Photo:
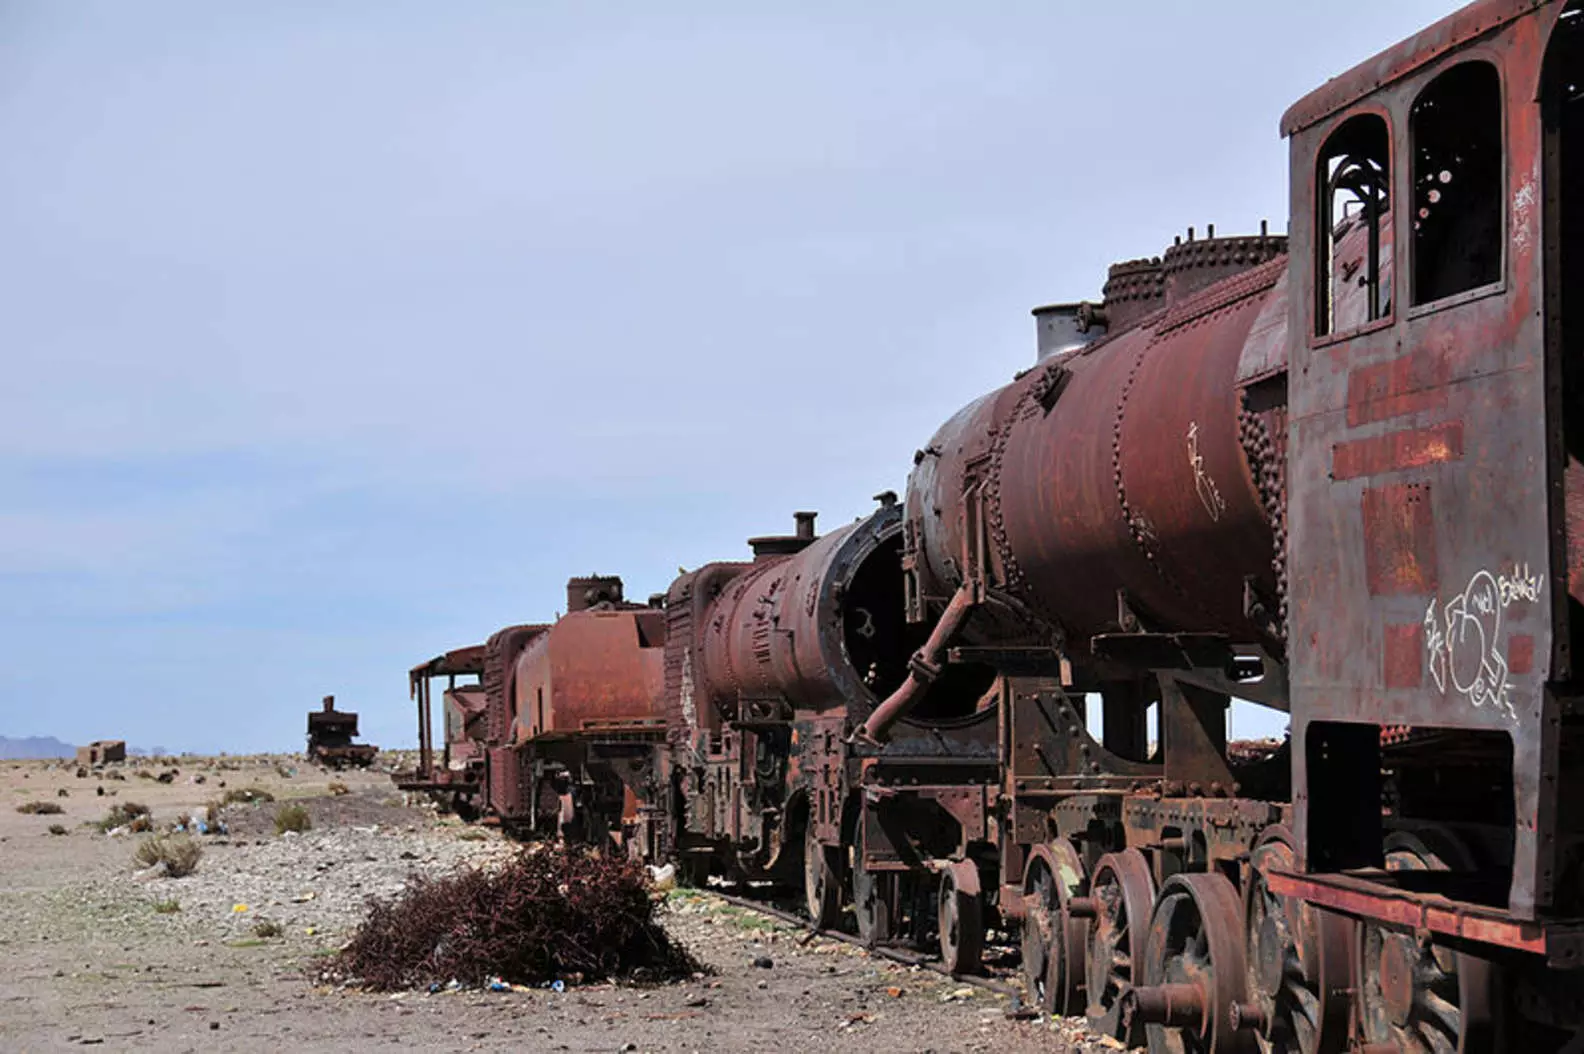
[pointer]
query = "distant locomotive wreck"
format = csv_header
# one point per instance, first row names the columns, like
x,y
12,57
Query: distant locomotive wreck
x,y
330,736
1334,472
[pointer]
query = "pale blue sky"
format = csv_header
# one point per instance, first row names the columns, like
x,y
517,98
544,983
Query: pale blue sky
x,y
338,334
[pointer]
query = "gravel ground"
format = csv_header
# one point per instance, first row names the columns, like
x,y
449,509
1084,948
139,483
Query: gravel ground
x,y
101,955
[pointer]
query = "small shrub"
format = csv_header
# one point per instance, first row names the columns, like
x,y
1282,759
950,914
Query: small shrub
x,y
63,793
126,814
292,818
178,853
144,774
167,907
56,828
246,796
267,928
212,815
338,788
471,834
546,913
40,808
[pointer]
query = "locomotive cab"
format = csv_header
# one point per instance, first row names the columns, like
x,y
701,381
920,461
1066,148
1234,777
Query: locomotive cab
x,y
1436,502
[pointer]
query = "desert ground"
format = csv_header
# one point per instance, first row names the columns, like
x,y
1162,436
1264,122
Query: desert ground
x,y
100,952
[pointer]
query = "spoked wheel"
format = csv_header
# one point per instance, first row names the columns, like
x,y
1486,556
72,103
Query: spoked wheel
x,y
1299,961
1122,891
874,895
1053,940
821,882
1417,997
1194,969
960,918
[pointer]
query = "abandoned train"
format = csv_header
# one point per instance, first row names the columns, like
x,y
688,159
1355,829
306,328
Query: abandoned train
x,y
1336,472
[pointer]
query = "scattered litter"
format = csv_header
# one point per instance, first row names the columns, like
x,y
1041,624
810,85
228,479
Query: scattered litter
x,y
663,878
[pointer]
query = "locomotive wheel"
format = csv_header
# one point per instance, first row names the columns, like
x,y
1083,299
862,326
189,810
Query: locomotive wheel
x,y
960,918
821,882
1418,997
874,896
1195,953
1299,961
1122,891
1053,941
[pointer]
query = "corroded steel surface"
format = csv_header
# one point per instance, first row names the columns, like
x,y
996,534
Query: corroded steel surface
x,y
595,670
1423,533
1121,467
1404,58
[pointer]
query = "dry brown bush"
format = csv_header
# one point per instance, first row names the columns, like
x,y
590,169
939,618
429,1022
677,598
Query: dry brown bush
x,y
178,853
126,814
292,817
548,913
40,808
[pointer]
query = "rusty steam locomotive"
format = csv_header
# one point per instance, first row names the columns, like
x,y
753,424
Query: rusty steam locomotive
x,y
1335,472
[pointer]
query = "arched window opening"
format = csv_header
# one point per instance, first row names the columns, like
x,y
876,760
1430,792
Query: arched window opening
x,y
1353,226
1456,133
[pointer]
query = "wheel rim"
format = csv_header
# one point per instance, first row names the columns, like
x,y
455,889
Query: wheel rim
x,y
1123,891
1298,966
1039,899
1196,939
873,901
1422,998
1053,941
819,883
961,923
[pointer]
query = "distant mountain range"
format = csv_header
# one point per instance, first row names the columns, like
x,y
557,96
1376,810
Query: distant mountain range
x,y
35,747
50,747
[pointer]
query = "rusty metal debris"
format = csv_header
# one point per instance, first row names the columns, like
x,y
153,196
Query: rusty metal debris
x,y
330,736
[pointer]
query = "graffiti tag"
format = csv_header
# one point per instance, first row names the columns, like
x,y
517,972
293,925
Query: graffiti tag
x,y
1209,493
1462,645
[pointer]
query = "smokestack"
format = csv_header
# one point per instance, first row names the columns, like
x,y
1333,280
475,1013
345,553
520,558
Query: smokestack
x,y
1056,331
805,524
584,593
329,703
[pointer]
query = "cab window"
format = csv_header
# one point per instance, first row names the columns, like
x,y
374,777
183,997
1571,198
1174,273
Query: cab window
x,y
1456,141
1353,226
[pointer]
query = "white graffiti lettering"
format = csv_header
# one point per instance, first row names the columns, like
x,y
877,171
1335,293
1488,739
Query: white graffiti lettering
x,y
1520,585
1209,493
1462,646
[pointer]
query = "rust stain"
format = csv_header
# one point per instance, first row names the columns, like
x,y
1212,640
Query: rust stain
x,y
1520,653
1410,448
1403,654
1404,385
1399,540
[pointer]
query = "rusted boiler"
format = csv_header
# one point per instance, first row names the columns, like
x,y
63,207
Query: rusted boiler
x,y
580,715
770,666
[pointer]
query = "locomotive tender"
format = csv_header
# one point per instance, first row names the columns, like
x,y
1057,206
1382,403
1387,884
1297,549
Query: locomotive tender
x,y
1336,472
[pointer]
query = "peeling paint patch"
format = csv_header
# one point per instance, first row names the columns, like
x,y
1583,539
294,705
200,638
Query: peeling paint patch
x,y
1411,448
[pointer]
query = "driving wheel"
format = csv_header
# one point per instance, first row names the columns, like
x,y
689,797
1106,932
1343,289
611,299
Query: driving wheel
x,y
960,917
1299,961
821,881
1122,891
1194,969
1053,940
